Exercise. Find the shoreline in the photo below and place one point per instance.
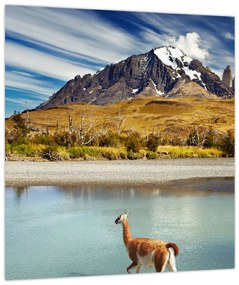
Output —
(138, 173)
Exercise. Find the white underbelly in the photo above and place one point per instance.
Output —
(147, 260)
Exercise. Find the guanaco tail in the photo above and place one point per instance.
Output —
(147, 252)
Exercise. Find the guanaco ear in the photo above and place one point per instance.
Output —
(127, 212)
(118, 220)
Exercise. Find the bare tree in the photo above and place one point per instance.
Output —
(197, 137)
(120, 119)
(87, 128)
(70, 122)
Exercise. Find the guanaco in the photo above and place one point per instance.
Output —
(147, 252)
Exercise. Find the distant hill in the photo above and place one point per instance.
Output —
(162, 72)
(171, 117)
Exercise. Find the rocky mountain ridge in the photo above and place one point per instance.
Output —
(162, 71)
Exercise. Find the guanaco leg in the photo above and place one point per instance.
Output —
(132, 265)
(138, 268)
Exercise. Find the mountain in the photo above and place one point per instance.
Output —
(163, 71)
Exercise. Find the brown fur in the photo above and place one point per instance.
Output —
(144, 246)
(173, 246)
(160, 259)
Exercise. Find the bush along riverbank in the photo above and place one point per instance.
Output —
(54, 153)
(23, 143)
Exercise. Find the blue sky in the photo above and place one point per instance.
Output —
(46, 47)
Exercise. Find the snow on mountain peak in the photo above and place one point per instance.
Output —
(176, 59)
(168, 56)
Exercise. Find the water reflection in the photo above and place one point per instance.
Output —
(177, 188)
(21, 191)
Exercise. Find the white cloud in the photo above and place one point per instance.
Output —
(23, 102)
(165, 24)
(32, 60)
(35, 91)
(19, 104)
(229, 36)
(81, 33)
(21, 73)
(19, 80)
(190, 45)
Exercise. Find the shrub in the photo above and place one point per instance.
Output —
(83, 152)
(62, 154)
(30, 150)
(110, 139)
(133, 143)
(87, 152)
(21, 124)
(151, 155)
(153, 142)
(66, 139)
(228, 144)
(210, 138)
(134, 155)
(16, 137)
(110, 154)
(51, 153)
(190, 152)
(8, 149)
(44, 139)
(76, 152)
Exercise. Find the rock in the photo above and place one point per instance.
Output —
(233, 83)
(227, 76)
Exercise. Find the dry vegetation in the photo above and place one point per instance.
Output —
(175, 121)
(143, 114)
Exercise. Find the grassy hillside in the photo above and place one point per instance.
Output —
(144, 115)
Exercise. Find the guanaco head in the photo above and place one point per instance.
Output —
(122, 217)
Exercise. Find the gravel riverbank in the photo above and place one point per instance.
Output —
(134, 173)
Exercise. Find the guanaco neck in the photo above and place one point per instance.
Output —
(126, 232)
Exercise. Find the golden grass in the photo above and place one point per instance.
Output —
(142, 114)
(189, 152)
(105, 153)
(65, 153)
